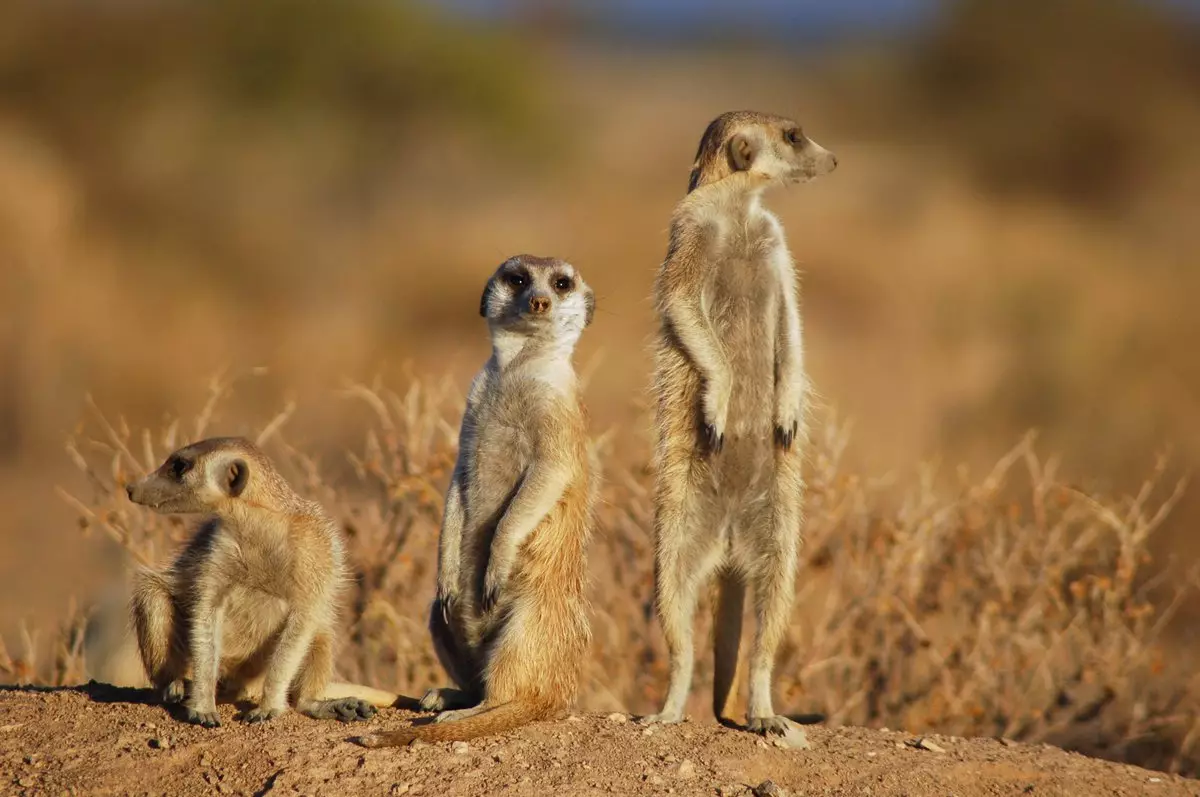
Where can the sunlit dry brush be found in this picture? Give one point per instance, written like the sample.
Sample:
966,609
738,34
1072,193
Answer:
1014,604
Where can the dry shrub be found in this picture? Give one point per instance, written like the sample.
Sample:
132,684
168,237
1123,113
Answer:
1012,605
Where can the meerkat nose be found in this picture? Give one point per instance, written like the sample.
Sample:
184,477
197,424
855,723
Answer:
539,304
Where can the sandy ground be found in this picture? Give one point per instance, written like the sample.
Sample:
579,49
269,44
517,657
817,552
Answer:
100,740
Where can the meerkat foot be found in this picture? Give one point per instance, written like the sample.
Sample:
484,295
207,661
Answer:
663,718
204,718
445,699
263,714
175,692
768,726
346,709
460,714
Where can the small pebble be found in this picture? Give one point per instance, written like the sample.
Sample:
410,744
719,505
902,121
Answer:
618,718
686,770
460,748
768,788
157,743
922,743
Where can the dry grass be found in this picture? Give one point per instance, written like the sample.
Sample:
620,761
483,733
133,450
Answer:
1012,605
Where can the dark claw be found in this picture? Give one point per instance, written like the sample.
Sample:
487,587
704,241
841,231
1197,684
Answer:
785,437
490,598
447,605
714,441
202,718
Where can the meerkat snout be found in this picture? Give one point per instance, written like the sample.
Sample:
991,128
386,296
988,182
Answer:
539,304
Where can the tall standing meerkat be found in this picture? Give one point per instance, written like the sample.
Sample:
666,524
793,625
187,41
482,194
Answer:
510,621
254,595
731,402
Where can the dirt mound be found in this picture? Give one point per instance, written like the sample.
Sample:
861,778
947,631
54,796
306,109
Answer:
99,740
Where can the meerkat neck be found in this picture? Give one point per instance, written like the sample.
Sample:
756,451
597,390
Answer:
731,198
548,359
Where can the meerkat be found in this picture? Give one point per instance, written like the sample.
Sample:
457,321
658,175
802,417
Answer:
510,622
731,403
252,600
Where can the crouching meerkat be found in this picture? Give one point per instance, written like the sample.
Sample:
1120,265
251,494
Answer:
252,598
510,622
731,401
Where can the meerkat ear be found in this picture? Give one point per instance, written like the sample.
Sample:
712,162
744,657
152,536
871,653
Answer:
589,301
741,152
236,477
483,300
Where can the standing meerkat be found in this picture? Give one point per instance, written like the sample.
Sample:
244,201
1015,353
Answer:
254,595
510,622
731,402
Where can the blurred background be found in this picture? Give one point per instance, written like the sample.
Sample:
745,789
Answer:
320,190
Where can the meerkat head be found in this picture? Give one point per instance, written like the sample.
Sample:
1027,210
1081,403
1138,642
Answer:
538,296
201,477
758,149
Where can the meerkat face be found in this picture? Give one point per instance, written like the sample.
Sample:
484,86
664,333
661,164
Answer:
766,149
196,478
532,295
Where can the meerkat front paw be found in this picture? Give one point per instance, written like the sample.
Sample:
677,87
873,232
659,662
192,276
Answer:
716,410
493,583
447,598
207,718
788,411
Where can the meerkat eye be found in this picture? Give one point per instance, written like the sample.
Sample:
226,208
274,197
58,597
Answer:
515,279
563,284
793,136
180,467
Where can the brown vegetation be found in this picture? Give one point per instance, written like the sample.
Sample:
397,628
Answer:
1009,243
1012,605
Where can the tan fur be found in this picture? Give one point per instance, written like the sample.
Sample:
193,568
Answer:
731,390
510,620
251,602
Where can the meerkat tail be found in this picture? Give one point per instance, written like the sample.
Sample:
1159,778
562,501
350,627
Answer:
337,690
504,717
727,637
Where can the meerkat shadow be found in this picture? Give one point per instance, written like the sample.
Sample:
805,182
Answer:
97,692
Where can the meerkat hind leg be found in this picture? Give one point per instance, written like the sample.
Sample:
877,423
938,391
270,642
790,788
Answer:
154,623
774,588
681,574
727,636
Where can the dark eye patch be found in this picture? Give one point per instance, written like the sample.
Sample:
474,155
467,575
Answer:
178,467
793,136
563,284
516,279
